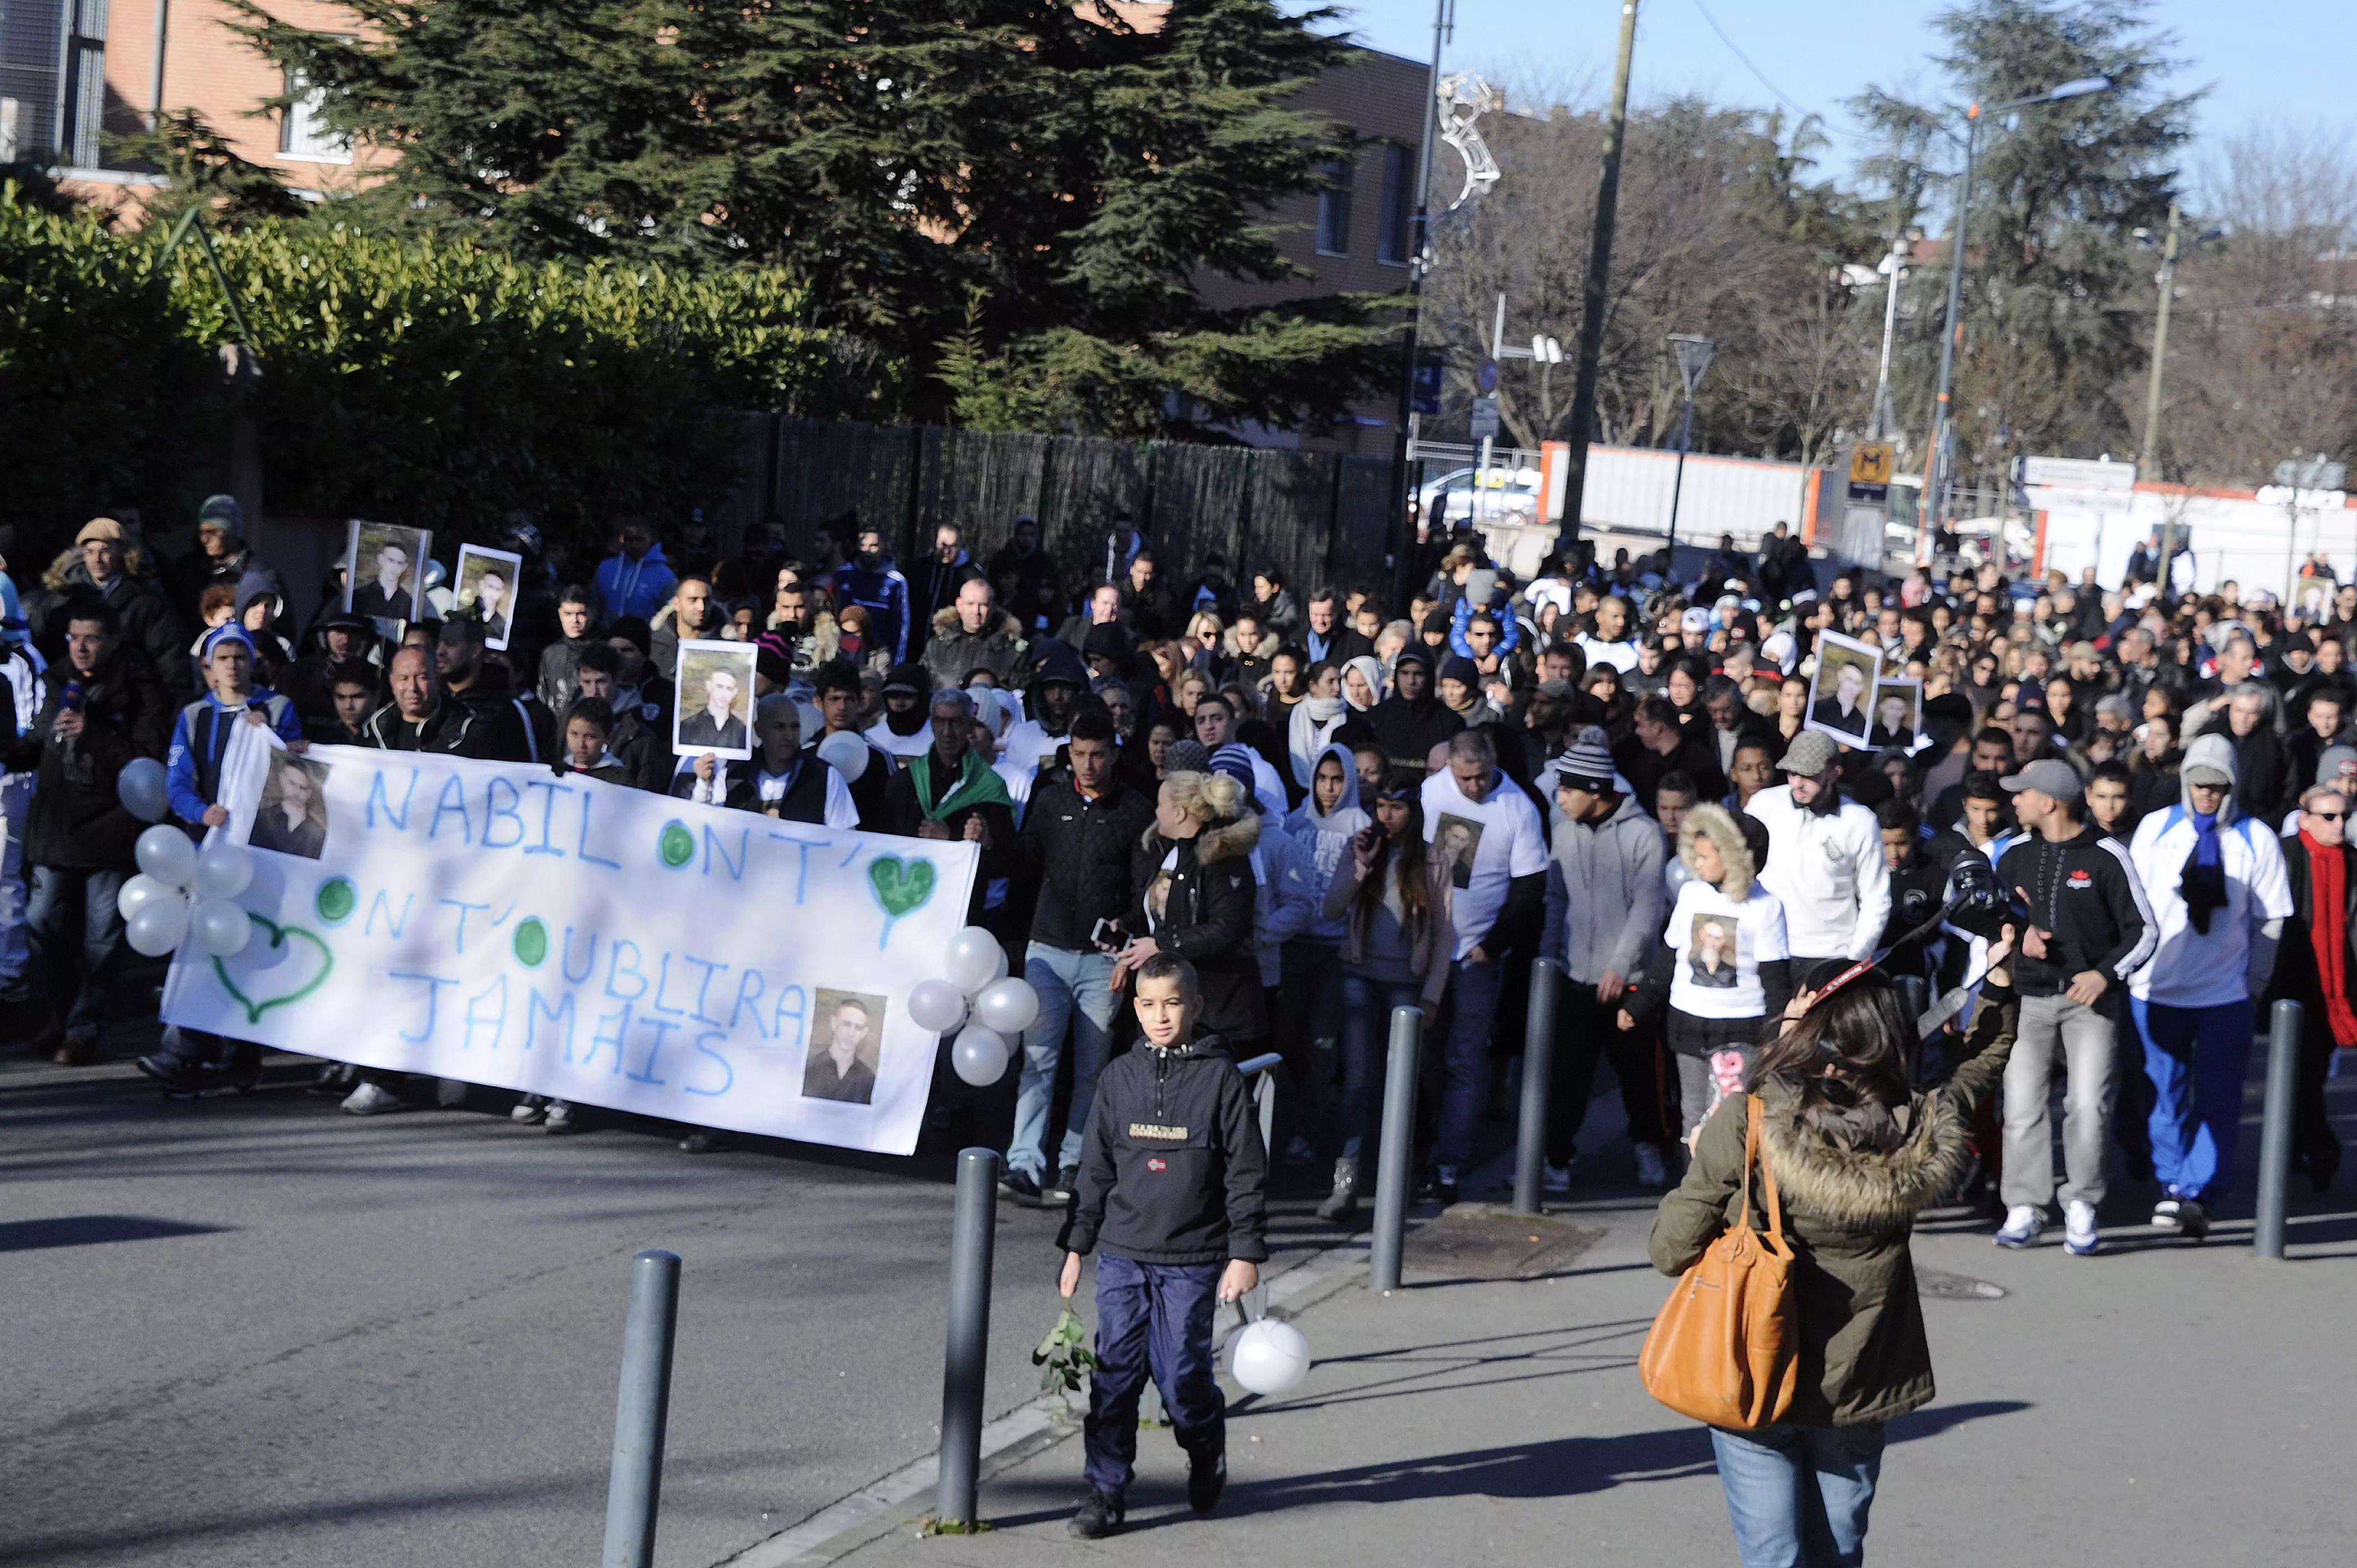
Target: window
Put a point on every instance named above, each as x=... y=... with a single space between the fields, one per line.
x=1391 y=239
x=1334 y=211
x=302 y=133
x=85 y=85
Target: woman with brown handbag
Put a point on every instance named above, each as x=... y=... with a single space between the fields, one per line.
x=1853 y=1155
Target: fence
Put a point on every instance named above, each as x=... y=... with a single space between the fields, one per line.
x=1319 y=517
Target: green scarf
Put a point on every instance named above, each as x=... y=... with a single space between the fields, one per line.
x=978 y=785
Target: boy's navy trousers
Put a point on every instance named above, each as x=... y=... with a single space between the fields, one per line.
x=1156 y=1317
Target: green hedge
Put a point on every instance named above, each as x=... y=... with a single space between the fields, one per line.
x=406 y=380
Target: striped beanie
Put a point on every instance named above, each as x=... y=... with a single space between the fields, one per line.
x=1586 y=763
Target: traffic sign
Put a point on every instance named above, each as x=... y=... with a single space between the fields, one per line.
x=1485 y=418
x=1486 y=378
x=1870 y=472
x=1693 y=356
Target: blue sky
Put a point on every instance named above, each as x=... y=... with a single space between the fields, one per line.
x=2262 y=60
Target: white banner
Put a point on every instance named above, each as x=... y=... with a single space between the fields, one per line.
x=493 y=922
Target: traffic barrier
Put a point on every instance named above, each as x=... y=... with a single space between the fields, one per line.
x=1538 y=1076
x=1393 y=1172
x=973 y=1238
x=634 y=1488
x=2275 y=1130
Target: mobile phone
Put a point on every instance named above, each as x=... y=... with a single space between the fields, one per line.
x=1105 y=937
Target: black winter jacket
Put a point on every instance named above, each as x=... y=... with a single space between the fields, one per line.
x=1079 y=852
x=1207 y=920
x=78 y=820
x=1408 y=731
x=448 y=731
x=1172 y=1170
x=2084 y=891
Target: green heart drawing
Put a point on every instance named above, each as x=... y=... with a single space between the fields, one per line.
x=278 y=935
x=899 y=886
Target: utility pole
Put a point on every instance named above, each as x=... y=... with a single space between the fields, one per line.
x=2149 y=460
x=1599 y=268
x=1880 y=426
x=1420 y=261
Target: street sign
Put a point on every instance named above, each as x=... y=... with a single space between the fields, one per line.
x=2074 y=474
x=1485 y=418
x=1694 y=357
x=1870 y=472
x=1486 y=378
x=1429 y=370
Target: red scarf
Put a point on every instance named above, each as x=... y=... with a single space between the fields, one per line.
x=2327 y=933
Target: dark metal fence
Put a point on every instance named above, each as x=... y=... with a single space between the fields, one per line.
x=1320 y=516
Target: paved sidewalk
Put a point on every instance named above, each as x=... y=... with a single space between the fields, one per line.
x=2158 y=1405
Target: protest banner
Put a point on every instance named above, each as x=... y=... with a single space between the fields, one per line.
x=559 y=935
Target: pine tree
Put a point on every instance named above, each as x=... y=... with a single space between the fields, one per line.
x=2056 y=198
x=1033 y=178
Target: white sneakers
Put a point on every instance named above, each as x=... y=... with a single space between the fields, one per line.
x=1651 y=1170
x=2079 y=1236
x=368 y=1100
x=2022 y=1223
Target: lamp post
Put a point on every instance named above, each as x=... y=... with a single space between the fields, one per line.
x=1943 y=424
x=1419 y=261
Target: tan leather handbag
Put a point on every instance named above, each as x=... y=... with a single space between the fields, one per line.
x=1726 y=1349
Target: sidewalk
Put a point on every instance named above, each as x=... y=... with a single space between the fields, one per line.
x=2156 y=1404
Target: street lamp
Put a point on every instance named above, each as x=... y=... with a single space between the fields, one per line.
x=1943 y=426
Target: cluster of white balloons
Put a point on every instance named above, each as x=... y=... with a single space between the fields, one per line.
x=182 y=891
x=977 y=984
x=1269 y=1356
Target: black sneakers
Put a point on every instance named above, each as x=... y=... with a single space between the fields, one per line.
x=1207 y=1478
x=1068 y=1181
x=1099 y=1517
x=2181 y=1216
x=1022 y=1186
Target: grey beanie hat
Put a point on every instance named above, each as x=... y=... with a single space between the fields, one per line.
x=1586 y=763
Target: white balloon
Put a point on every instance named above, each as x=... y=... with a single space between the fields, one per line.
x=979 y=1056
x=223 y=870
x=1269 y=1358
x=140 y=889
x=141 y=787
x=975 y=959
x=936 y=1005
x=158 y=925
x=165 y=855
x=221 y=928
x=1009 y=1006
x=846 y=753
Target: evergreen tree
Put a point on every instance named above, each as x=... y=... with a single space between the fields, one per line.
x=1034 y=179
x=2056 y=196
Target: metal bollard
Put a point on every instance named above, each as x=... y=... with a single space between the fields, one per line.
x=1538 y=1078
x=633 y=1493
x=972 y=1240
x=1393 y=1174
x=2275 y=1130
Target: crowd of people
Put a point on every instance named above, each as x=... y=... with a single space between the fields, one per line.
x=1334 y=803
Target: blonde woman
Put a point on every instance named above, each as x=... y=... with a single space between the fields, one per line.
x=1192 y=893
x=1724 y=965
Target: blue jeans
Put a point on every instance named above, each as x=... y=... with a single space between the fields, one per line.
x=1465 y=1066
x=1367 y=1004
x=70 y=964
x=1798 y=1496
x=1151 y=1318
x=1075 y=989
x=2195 y=1058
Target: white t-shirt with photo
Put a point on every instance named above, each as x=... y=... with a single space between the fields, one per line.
x=1712 y=980
x=1507 y=842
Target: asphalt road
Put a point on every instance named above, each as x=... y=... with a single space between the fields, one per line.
x=254 y=1331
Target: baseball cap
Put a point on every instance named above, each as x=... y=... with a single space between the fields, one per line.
x=1811 y=753
x=2048 y=775
x=908 y=678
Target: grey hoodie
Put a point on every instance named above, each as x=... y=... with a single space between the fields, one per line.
x=1604 y=894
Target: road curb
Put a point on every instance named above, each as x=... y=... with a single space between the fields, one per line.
x=904 y=1496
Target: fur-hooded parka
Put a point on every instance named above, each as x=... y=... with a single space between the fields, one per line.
x=1726 y=834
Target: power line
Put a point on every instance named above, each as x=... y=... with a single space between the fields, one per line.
x=1777 y=93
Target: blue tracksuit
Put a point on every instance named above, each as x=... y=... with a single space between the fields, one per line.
x=201 y=739
x=637 y=588
x=883 y=593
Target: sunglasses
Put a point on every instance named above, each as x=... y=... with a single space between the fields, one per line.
x=2330 y=816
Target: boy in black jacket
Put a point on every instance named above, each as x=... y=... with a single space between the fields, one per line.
x=1171 y=1182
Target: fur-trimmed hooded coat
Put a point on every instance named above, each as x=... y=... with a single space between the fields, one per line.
x=1847 y=1213
x=1205 y=907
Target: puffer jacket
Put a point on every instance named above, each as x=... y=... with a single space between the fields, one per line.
x=1848 y=1214
x=1604 y=894
x=953 y=653
x=1208 y=920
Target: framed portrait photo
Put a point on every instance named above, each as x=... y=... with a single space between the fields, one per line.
x=1897 y=713
x=715 y=710
x=489 y=582
x=1840 y=693
x=386 y=581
